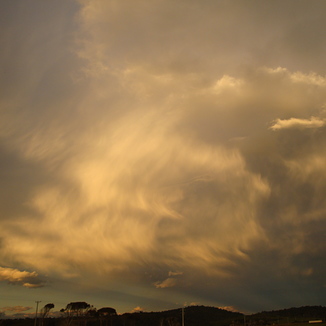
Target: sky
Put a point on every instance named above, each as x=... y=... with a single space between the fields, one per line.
x=156 y=154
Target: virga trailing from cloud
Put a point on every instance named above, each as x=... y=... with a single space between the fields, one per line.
x=159 y=148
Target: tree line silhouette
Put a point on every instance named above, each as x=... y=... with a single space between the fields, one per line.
x=83 y=314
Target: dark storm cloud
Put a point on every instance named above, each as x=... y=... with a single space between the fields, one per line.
x=209 y=36
x=18 y=176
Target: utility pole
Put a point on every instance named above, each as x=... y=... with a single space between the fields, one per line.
x=37 y=302
x=183 y=316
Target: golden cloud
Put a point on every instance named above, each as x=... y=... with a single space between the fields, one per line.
x=295 y=123
x=24 y=278
x=156 y=154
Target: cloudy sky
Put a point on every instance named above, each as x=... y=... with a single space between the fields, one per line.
x=162 y=153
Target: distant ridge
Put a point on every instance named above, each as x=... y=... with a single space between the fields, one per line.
x=292 y=315
x=193 y=316
x=209 y=316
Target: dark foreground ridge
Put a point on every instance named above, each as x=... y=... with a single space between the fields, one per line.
x=193 y=316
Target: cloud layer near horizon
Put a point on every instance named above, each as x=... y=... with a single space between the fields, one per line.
x=146 y=138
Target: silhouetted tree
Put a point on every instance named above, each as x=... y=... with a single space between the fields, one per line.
x=92 y=312
x=106 y=314
x=76 y=310
x=45 y=311
x=106 y=311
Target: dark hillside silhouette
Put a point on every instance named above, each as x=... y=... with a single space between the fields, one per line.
x=291 y=315
x=193 y=316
